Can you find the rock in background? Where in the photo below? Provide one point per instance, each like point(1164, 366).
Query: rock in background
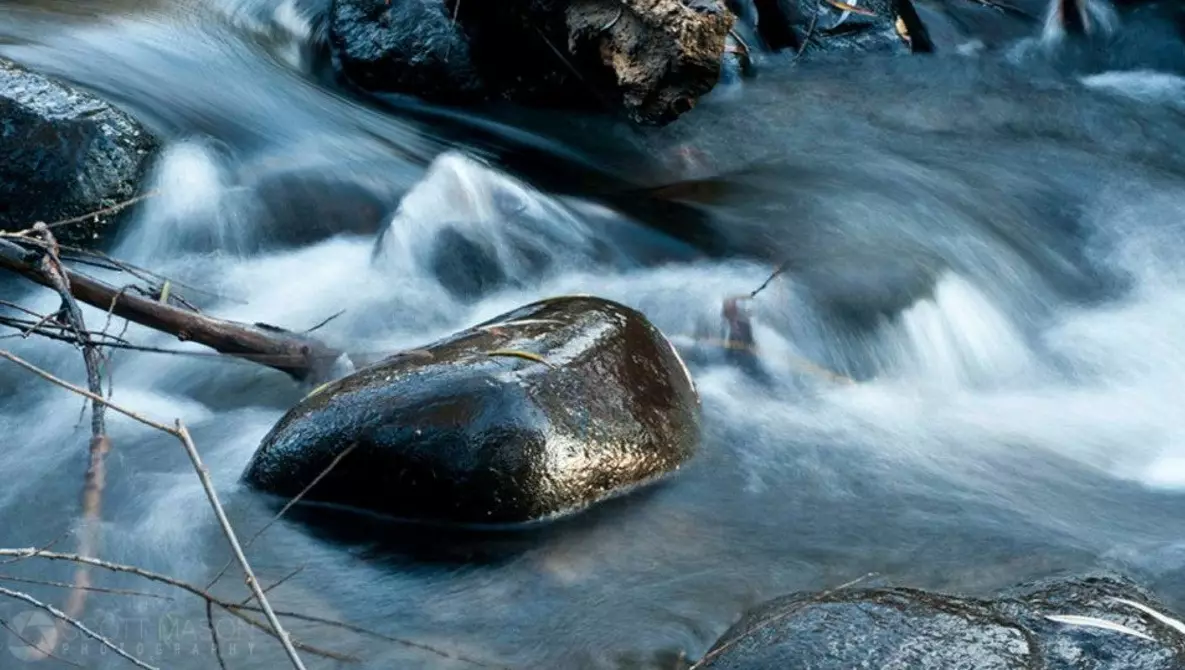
point(1059, 624)
point(538, 413)
point(648, 59)
point(64, 153)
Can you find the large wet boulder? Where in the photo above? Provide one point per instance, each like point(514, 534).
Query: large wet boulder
point(1099, 622)
point(647, 59)
point(64, 153)
point(536, 413)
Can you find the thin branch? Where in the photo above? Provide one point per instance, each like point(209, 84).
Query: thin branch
point(50, 267)
point(95, 589)
point(75, 623)
point(203, 474)
point(322, 324)
point(284, 510)
point(182, 433)
point(83, 392)
point(274, 585)
point(214, 634)
point(227, 605)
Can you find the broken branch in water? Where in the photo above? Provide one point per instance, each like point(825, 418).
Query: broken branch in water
point(301, 357)
point(53, 274)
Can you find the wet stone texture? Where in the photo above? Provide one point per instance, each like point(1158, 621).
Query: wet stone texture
point(649, 60)
point(64, 153)
point(537, 413)
point(906, 629)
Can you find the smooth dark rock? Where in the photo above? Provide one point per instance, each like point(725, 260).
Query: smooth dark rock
point(471, 430)
point(647, 59)
point(64, 153)
point(907, 629)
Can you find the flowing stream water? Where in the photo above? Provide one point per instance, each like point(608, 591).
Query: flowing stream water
point(1005, 435)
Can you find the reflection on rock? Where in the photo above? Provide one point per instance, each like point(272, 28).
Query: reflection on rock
point(534, 414)
point(1093, 623)
point(65, 154)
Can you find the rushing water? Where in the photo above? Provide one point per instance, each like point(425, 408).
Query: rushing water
point(1000, 432)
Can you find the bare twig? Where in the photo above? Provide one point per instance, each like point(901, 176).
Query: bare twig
point(214, 634)
point(50, 267)
point(810, 32)
point(274, 585)
point(74, 623)
point(203, 474)
point(284, 510)
point(95, 589)
point(179, 431)
point(323, 323)
point(231, 607)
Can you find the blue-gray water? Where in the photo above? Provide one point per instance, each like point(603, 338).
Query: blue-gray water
point(1008, 433)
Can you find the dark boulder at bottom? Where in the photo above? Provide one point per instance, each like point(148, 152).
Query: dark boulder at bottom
point(1033, 627)
point(64, 153)
point(537, 413)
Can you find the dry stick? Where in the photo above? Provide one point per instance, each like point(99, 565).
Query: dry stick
point(299, 356)
point(214, 634)
point(204, 475)
point(810, 31)
point(231, 607)
point(284, 510)
point(182, 433)
point(48, 654)
point(75, 623)
point(50, 267)
point(815, 598)
point(95, 589)
point(275, 585)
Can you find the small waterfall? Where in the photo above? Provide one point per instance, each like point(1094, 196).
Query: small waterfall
point(958, 338)
point(191, 207)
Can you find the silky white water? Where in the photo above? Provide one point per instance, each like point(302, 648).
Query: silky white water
point(995, 433)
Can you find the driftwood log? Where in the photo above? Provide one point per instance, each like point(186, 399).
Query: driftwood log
point(303, 358)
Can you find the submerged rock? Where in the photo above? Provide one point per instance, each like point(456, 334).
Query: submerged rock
point(537, 413)
point(64, 153)
point(649, 59)
point(1050, 625)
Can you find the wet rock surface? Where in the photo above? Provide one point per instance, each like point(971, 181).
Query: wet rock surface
point(889, 628)
point(410, 46)
point(647, 59)
point(64, 153)
point(536, 413)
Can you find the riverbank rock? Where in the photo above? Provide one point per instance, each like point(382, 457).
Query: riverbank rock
point(808, 29)
point(64, 153)
point(1059, 624)
point(647, 59)
point(537, 413)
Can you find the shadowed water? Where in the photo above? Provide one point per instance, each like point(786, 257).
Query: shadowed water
point(1019, 415)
